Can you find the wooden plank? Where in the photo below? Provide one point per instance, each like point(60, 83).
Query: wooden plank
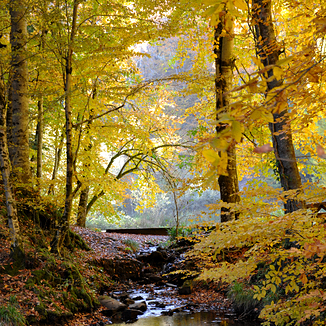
point(317, 206)
point(151, 231)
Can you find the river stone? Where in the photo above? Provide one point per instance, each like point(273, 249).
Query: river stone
point(130, 314)
point(155, 258)
point(128, 301)
point(142, 306)
point(154, 278)
point(111, 304)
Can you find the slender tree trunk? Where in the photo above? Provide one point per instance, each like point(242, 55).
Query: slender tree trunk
point(57, 158)
point(63, 223)
point(83, 199)
point(9, 120)
point(82, 207)
point(229, 187)
point(39, 139)
point(268, 52)
point(93, 201)
point(19, 96)
point(40, 127)
point(16, 243)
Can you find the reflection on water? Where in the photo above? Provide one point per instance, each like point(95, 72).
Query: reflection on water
point(184, 319)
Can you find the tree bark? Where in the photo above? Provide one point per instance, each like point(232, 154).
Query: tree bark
point(19, 96)
point(229, 187)
point(83, 199)
point(82, 207)
point(63, 223)
point(16, 243)
point(268, 51)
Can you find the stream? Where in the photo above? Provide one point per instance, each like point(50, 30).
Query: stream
point(189, 319)
point(164, 312)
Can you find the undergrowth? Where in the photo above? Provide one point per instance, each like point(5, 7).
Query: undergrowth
point(274, 265)
point(10, 315)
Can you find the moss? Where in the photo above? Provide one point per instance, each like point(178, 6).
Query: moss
point(40, 308)
point(75, 241)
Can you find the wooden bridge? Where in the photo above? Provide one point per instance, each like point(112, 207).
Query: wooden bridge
point(151, 231)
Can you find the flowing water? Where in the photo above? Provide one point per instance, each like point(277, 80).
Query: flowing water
point(155, 314)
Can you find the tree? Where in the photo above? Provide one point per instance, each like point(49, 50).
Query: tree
point(268, 50)
point(19, 93)
point(16, 244)
point(63, 225)
point(223, 45)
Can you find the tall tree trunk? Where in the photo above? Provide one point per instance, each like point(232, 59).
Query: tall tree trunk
point(268, 51)
point(229, 187)
point(83, 199)
point(40, 127)
point(19, 96)
point(63, 223)
point(16, 243)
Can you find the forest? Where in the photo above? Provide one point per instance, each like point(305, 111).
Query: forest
point(170, 113)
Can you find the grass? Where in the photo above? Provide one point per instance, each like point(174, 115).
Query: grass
point(10, 314)
point(132, 245)
point(243, 300)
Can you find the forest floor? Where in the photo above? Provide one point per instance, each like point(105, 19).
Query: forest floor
point(103, 245)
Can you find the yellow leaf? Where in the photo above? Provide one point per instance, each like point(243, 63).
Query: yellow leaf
point(228, 23)
point(268, 117)
point(223, 164)
point(284, 61)
point(273, 288)
point(313, 78)
point(278, 72)
point(215, 19)
point(257, 62)
point(255, 115)
point(253, 86)
point(210, 155)
point(240, 4)
point(209, 2)
point(224, 118)
point(236, 131)
point(280, 107)
point(219, 144)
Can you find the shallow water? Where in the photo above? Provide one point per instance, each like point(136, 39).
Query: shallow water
point(189, 319)
point(153, 315)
